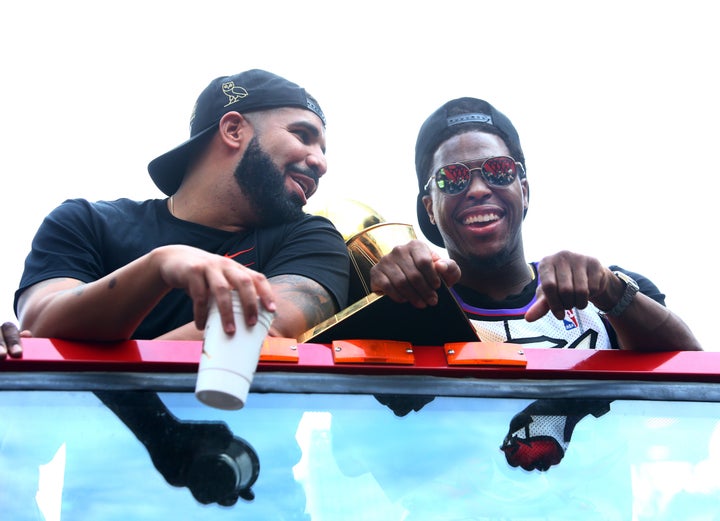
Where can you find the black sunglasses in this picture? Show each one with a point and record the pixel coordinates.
(454, 179)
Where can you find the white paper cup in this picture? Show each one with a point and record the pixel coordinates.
(228, 362)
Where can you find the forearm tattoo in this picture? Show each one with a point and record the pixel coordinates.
(308, 297)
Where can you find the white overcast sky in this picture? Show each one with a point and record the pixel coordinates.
(616, 104)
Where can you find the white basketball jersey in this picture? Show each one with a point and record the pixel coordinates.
(579, 329)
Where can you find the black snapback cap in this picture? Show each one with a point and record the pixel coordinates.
(247, 91)
(456, 117)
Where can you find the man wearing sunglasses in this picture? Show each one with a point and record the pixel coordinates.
(473, 197)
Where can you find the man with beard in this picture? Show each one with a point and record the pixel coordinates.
(234, 220)
(473, 196)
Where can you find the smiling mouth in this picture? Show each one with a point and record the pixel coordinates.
(481, 219)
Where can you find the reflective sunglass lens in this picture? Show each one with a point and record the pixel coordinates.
(452, 179)
(500, 171)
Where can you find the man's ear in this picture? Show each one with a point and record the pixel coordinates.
(428, 202)
(525, 193)
(234, 129)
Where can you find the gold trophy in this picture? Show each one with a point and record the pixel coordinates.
(373, 316)
(367, 236)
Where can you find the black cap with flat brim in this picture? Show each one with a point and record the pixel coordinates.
(248, 91)
(456, 117)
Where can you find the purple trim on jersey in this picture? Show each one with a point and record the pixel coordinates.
(507, 312)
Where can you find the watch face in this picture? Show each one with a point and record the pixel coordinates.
(631, 288)
(627, 279)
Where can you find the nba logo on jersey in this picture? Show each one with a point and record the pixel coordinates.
(570, 320)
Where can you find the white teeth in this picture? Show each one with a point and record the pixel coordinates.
(481, 218)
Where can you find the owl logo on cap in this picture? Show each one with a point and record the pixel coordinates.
(233, 92)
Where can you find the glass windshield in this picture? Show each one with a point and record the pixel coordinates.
(139, 455)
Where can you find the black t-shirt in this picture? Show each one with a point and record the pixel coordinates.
(87, 240)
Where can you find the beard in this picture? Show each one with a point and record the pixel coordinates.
(264, 185)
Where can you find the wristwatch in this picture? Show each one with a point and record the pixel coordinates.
(631, 288)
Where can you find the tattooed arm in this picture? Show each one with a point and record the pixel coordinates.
(301, 304)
